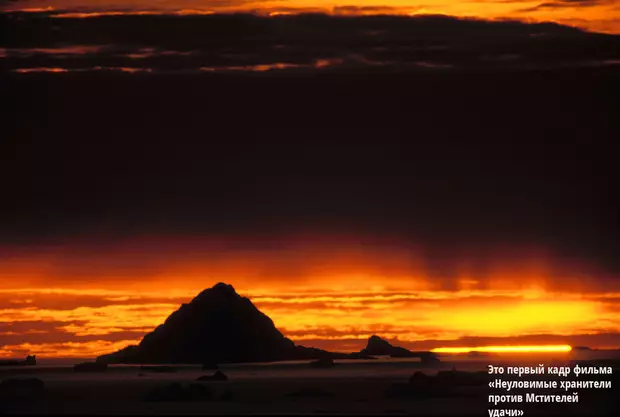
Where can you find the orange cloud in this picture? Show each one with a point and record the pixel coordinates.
(88, 298)
(65, 349)
(337, 320)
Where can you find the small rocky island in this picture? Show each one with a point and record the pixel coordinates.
(31, 360)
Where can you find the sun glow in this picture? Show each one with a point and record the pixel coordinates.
(326, 295)
(505, 349)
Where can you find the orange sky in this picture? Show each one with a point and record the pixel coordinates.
(81, 300)
(599, 15)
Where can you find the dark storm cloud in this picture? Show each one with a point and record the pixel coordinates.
(34, 29)
(459, 164)
(244, 41)
(568, 3)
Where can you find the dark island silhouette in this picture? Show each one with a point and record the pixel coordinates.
(379, 347)
(220, 326)
(30, 360)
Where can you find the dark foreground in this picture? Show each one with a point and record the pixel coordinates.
(348, 389)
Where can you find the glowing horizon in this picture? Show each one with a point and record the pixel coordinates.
(54, 322)
(89, 299)
(505, 349)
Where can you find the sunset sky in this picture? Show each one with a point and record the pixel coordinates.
(433, 208)
(68, 300)
(335, 244)
(427, 243)
(598, 15)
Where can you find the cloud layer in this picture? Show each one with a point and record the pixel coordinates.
(70, 323)
(589, 11)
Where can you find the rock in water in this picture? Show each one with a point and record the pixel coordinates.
(217, 376)
(323, 363)
(217, 326)
(31, 360)
(377, 346)
(420, 379)
(380, 347)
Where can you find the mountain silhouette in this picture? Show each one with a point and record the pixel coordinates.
(380, 347)
(219, 326)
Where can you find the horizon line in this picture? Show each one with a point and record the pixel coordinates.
(495, 349)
